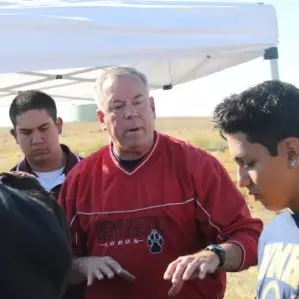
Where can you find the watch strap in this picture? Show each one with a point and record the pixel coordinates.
(219, 250)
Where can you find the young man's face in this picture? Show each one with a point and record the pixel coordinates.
(268, 178)
(37, 134)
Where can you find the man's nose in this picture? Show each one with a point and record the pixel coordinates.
(37, 137)
(130, 111)
(243, 178)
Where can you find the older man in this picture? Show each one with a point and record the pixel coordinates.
(148, 212)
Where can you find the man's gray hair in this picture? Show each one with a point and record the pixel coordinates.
(114, 72)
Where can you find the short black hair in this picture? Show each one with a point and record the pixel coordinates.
(29, 100)
(266, 113)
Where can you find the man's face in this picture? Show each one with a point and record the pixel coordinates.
(37, 134)
(128, 112)
(267, 178)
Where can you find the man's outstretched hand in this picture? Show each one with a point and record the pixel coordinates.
(94, 267)
(190, 267)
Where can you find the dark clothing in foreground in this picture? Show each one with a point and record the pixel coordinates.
(35, 254)
(73, 291)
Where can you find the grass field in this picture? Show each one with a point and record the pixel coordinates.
(87, 137)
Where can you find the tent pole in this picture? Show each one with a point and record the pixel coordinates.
(274, 69)
(272, 55)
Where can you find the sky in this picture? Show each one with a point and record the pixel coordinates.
(199, 97)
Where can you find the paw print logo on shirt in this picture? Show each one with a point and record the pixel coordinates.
(155, 242)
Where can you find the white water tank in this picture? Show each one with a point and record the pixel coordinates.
(84, 111)
(77, 110)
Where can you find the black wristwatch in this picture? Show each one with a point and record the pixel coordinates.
(220, 253)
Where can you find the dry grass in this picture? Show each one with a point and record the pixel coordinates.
(86, 137)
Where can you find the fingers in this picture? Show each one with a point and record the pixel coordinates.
(191, 269)
(106, 270)
(197, 268)
(114, 265)
(189, 272)
(176, 271)
(127, 275)
(98, 274)
(186, 268)
(117, 268)
(90, 278)
(101, 267)
(203, 269)
(175, 288)
(170, 270)
(180, 270)
(92, 275)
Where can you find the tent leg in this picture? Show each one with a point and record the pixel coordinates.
(274, 69)
(271, 54)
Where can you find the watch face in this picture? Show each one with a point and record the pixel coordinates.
(219, 247)
(219, 251)
(215, 247)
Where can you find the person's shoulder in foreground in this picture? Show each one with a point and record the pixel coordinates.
(30, 185)
(35, 256)
(261, 126)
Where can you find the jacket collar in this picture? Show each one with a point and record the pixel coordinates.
(71, 161)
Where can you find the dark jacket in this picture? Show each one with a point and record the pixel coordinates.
(35, 255)
(72, 160)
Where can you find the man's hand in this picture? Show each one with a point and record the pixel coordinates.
(98, 267)
(189, 267)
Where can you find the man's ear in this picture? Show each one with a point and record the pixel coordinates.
(59, 123)
(289, 148)
(13, 132)
(100, 117)
(153, 106)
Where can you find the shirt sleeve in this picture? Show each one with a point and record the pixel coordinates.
(222, 210)
(68, 201)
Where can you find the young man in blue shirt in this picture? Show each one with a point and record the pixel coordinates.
(261, 126)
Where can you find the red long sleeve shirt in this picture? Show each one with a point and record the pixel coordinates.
(178, 200)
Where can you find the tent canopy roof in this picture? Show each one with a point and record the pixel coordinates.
(170, 41)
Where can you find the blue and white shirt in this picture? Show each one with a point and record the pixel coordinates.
(278, 258)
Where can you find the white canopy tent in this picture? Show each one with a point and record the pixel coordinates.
(60, 46)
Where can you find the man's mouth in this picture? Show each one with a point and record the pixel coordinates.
(134, 130)
(39, 151)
